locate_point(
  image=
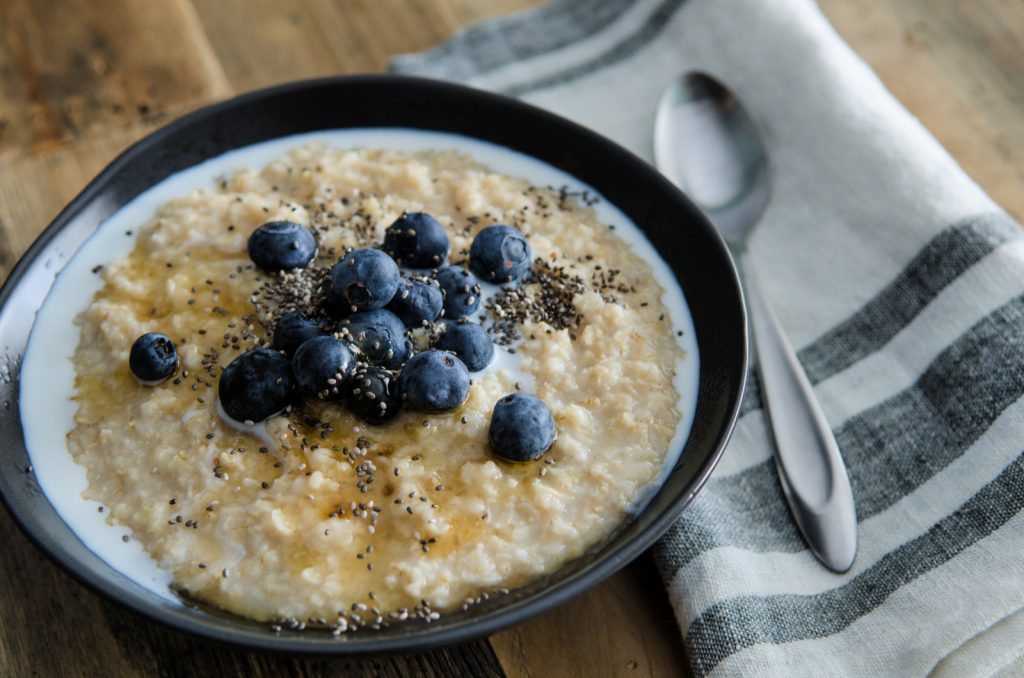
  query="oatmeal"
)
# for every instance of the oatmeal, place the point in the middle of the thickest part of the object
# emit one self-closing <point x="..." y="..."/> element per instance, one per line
<point x="317" y="514"/>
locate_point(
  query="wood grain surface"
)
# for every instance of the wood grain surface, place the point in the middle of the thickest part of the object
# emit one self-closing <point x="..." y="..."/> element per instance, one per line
<point x="82" y="79"/>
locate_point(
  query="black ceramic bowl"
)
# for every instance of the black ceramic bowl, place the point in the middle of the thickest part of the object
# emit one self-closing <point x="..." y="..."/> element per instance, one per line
<point x="674" y="226"/>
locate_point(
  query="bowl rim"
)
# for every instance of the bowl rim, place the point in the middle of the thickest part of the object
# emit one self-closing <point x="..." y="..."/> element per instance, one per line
<point x="518" y="611"/>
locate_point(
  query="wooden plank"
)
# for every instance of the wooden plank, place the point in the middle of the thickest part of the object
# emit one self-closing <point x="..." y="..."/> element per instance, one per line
<point x="35" y="186"/>
<point x="623" y="627"/>
<point x="262" y="42"/>
<point x="468" y="12"/>
<point x="53" y="626"/>
<point x="957" y="66"/>
<point x="311" y="38"/>
<point x="73" y="68"/>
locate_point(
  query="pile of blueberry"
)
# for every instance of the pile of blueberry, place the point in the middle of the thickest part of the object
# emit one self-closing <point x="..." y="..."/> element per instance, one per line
<point x="357" y="348"/>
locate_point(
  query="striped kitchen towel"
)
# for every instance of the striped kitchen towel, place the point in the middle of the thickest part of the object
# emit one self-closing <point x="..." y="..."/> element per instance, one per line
<point x="902" y="285"/>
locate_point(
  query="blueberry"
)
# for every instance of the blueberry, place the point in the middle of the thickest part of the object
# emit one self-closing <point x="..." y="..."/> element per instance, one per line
<point x="281" y="245"/>
<point x="380" y="337"/>
<point x="470" y="342"/>
<point x="364" y="279"/>
<point x="461" y="292"/>
<point x="500" y="254"/>
<point x="292" y="329"/>
<point x="375" y="394"/>
<point x="522" y="428"/>
<point x="334" y="305"/>
<point x="417" y="240"/>
<point x="417" y="302"/>
<point x="153" y="358"/>
<point x="256" y="385"/>
<point x="434" y="381"/>
<point x="323" y="366"/>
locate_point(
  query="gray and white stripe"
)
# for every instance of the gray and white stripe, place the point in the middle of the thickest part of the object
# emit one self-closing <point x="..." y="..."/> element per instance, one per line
<point x="706" y="578"/>
<point x="905" y="291"/>
<point x="890" y="448"/>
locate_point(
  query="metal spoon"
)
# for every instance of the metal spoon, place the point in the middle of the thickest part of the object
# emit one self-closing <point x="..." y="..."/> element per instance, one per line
<point x="707" y="143"/>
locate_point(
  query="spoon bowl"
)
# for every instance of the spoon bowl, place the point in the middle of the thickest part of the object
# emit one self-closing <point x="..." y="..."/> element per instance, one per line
<point x="708" y="144"/>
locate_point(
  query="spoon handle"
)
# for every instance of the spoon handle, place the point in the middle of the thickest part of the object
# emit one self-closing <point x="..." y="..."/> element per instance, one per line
<point x="810" y="468"/>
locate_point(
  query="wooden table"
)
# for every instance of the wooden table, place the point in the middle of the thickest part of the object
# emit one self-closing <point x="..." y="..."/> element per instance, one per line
<point x="81" y="79"/>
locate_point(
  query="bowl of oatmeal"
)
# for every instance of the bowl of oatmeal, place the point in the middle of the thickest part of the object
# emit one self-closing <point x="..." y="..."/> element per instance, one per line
<point x="219" y="430"/>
